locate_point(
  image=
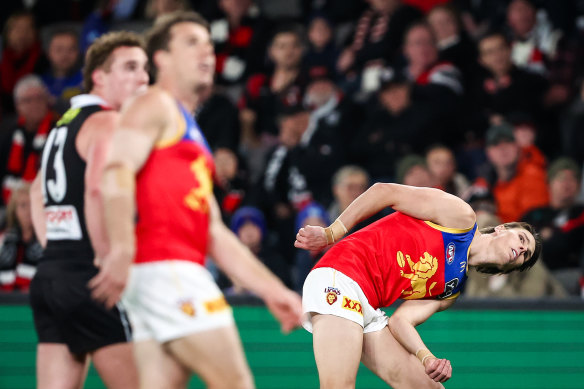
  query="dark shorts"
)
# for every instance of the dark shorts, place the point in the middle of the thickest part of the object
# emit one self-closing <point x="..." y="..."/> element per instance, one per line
<point x="64" y="312"/>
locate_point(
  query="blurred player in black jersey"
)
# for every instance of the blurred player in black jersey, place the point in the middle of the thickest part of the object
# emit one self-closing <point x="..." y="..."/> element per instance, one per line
<point x="68" y="219"/>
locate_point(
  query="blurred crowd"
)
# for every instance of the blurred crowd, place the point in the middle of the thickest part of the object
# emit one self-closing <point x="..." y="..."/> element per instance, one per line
<point x="315" y="100"/>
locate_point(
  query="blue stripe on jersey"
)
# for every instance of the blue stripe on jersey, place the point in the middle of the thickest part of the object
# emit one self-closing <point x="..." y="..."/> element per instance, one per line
<point x="193" y="132"/>
<point x="456" y="247"/>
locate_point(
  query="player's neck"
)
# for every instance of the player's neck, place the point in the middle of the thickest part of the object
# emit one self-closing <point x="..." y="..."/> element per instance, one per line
<point x="478" y="253"/>
<point x="101" y="92"/>
<point x="188" y="97"/>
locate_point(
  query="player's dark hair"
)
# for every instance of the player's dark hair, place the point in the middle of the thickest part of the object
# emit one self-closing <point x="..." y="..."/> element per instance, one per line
<point x="99" y="53"/>
<point x="529" y="262"/>
<point x="158" y="37"/>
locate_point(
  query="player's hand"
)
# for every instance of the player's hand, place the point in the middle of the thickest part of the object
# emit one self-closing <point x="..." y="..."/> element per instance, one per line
<point x="108" y="285"/>
<point x="439" y="370"/>
<point x="311" y="238"/>
<point x="286" y="306"/>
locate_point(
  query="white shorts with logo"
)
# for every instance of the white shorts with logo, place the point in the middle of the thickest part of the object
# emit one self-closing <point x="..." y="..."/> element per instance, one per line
<point x="170" y="299"/>
<point x="328" y="291"/>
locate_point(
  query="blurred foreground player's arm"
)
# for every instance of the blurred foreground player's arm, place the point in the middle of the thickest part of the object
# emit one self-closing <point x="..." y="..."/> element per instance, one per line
<point x="141" y="124"/>
<point x="421" y="203"/>
<point x="244" y="269"/>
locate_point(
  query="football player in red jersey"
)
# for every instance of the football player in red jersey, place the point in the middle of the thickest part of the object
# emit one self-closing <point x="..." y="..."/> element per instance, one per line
<point x="420" y="253"/>
<point x="181" y="321"/>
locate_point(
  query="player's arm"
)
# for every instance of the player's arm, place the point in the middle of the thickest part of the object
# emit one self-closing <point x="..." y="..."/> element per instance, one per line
<point x="402" y="325"/>
<point x="238" y="262"/>
<point x="421" y="203"/>
<point x="93" y="145"/>
<point x="140" y="125"/>
<point x="37" y="211"/>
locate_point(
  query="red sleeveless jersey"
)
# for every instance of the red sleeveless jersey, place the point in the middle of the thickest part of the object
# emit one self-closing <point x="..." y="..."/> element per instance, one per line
<point x="172" y="191"/>
<point x="399" y="256"/>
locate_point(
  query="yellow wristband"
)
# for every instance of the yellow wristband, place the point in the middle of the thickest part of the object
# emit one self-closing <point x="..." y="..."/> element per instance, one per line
<point x="330" y="239"/>
<point x="423" y="354"/>
<point x="342" y="225"/>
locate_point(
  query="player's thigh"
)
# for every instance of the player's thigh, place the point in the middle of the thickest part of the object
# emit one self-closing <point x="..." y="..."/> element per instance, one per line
<point x="58" y="368"/>
<point x="116" y="366"/>
<point x="337" y="346"/>
<point x="391" y="362"/>
<point x="157" y="368"/>
<point x="216" y="356"/>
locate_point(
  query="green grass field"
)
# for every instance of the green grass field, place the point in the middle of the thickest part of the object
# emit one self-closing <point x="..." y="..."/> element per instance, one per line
<point x="489" y="349"/>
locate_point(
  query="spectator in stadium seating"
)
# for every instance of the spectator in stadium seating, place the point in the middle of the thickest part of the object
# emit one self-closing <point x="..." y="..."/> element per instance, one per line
<point x="266" y="94"/>
<point x="561" y="224"/>
<point x="538" y="47"/>
<point x="525" y="134"/>
<point x="423" y="65"/>
<point x="322" y="53"/>
<point x="64" y="78"/>
<point x="481" y="16"/>
<point x="394" y="127"/>
<point x="249" y="224"/>
<point x="412" y="170"/>
<point x="454" y="46"/>
<point x="313" y="214"/>
<point x="22" y="145"/>
<point x="282" y="190"/>
<point x="20" y="250"/>
<point x="347" y="184"/>
<point x="321" y="150"/>
<point x="156" y="8"/>
<point x="240" y="36"/>
<point x="219" y="122"/>
<point x="376" y="42"/>
<point x="504" y="88"/>
<point x="517" y="185"/>
<point x="331" y="108"/>
<point x="442" y="166"/>
<point x="436" y="83"/>
<point x="532" y="44"/>
<point x="21" y="55"/>
<point x="572" y="122"/>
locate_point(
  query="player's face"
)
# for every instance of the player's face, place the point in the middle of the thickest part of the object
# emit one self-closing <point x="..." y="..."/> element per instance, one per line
<point x="512" y="247"/>
<point x="192" y="54"/>
<point x="127" y="75"/>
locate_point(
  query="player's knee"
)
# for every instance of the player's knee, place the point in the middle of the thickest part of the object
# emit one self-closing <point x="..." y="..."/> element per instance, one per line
<point x="236" y="380"/>
<point x="337" y="383"/>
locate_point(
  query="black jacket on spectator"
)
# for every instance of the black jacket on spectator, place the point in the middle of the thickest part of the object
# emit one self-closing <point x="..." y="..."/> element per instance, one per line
<point x="319" y="154"/>
<point x="218" y="118"/>
<point x="565" y="247"/>
<point x="384" y="138"/>
<point x="521" y="91"/>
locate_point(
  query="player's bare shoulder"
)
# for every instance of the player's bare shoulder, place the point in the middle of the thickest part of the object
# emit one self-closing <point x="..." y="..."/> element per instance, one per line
<point x="96" y="127"/>
<point x="151" y="111"/>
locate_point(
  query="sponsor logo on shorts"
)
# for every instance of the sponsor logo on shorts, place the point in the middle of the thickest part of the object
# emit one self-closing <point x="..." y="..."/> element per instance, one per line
<point x="450" y="253"/>
<point x="331" y="295"/>
<point x="217" y="305"/>
<point x="188" y="308"/>
<point x="352" y="305"/>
